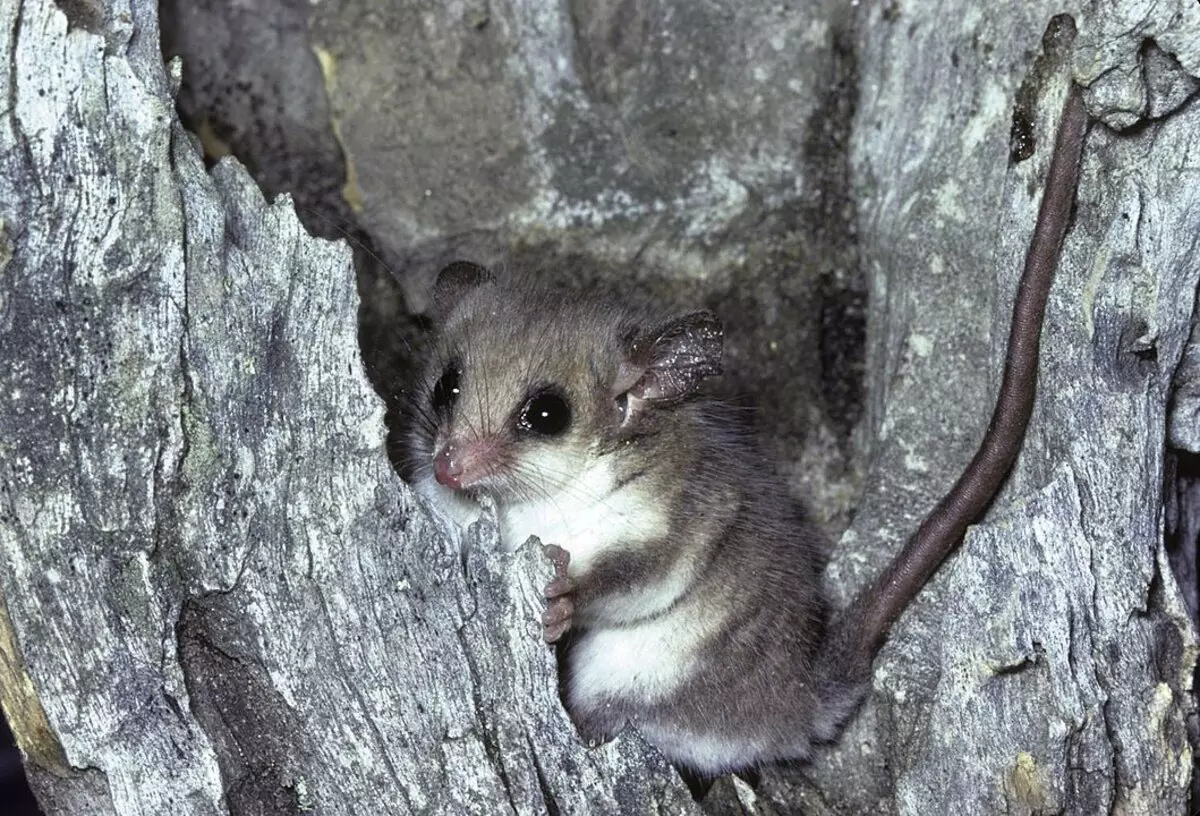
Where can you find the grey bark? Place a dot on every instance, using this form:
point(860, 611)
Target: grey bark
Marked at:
point(1048, 667)
point(221, 599)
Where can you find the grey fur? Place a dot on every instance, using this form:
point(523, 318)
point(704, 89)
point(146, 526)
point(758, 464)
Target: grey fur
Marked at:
point(751, 556)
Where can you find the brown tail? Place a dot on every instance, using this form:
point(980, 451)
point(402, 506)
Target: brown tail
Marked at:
point(864, 626)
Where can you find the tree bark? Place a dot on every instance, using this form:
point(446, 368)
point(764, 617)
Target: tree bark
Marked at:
point(222, 598)
point(216, 596)
point(1048, 666)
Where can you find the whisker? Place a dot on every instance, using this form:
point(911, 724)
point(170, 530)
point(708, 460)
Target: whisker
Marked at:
point(533, 480)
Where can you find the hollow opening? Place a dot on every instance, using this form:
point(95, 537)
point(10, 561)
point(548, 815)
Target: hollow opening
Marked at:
point(257, 85)
point(14, 787)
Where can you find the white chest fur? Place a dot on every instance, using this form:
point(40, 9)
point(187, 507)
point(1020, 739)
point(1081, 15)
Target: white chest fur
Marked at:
point(586, 514)
point(643, 662)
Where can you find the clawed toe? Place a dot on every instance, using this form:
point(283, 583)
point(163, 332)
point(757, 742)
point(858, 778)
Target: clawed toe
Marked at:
point(556, 620)
point(558, 611)
point(553, 633)
point(559, 587)
point(558, 556)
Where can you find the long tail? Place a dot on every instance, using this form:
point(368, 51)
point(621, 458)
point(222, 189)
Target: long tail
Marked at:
point(862, 628)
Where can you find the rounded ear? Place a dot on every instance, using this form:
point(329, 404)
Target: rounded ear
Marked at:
point(454, 281)
point(676, 356)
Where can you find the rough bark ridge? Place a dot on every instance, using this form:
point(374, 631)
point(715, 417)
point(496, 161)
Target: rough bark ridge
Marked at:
point(216, 597)
point(1057, 638)
point(221, 596)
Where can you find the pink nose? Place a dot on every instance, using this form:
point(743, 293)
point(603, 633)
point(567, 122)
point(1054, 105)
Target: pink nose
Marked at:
point(466, 462)
point(448, 468)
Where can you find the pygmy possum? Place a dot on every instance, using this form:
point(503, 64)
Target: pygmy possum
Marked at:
point(687, 597)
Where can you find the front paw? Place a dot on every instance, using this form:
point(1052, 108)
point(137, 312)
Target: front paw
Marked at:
point(560, 609)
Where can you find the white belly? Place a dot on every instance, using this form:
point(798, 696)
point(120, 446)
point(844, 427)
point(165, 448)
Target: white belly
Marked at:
point(642, 663)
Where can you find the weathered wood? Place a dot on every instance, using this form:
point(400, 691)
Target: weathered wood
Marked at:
point(1048, 666)
point(224, 598)
point(217, 596)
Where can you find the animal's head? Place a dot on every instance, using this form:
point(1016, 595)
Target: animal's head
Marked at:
point(526, 386)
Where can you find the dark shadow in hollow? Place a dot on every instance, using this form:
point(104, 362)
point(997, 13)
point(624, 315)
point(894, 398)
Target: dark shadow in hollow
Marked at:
point(14, 788)
point(1181, 498)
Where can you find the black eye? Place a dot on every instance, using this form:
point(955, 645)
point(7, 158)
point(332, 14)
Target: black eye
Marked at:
point(445, 392)
point(546, 414)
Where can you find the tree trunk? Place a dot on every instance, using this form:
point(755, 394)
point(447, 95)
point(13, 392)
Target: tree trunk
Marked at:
point(216, 596)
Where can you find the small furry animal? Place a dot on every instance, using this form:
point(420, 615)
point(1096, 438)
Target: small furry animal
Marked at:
point(689, 580)
point(687, 591)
